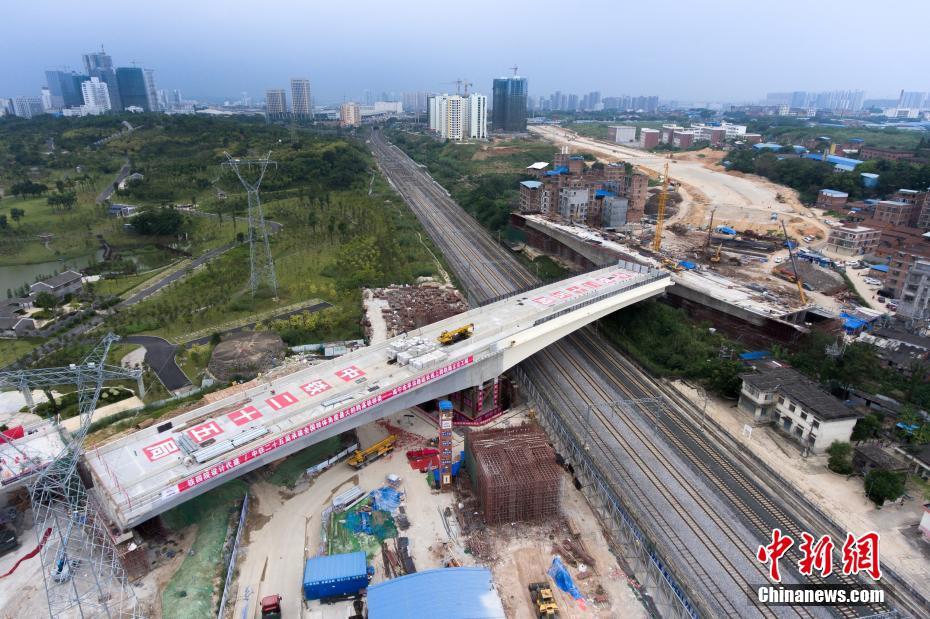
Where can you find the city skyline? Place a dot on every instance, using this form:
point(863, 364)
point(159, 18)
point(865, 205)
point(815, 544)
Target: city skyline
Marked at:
point(371, 56)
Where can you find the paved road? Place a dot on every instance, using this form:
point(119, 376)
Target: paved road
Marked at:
point(311, 309)
point(149, 291)
point(159, 355)
point(108, 191)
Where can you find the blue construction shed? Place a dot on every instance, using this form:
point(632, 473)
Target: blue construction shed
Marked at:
point(335, 575)
point(450, 593)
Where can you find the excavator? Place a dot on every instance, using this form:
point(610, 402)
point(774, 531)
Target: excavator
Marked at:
point(716, 257)
point(794, 265)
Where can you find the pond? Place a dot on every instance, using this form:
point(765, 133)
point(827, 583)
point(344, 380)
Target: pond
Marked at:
point(14, 276)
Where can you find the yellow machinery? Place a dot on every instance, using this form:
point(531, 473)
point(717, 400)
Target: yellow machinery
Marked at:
point(362, 457)
point(672, 265)
point(543, 600)
point(456, 335)
point(660, 215)
point(716, 257)
point(794, 265)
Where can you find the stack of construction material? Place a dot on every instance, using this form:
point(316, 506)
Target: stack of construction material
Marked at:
point(515, 474)
point(412, 307)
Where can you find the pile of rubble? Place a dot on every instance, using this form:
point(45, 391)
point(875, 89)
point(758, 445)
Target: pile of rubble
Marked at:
point(411, 307)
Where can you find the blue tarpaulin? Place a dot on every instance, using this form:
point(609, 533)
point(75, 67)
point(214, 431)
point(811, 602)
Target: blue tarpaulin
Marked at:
point(559, 573)
point(455, 467)
point(386, 499)
point(909, 428)
point(881, 268)
point(725, 230)
point(755, 354)
point(688, 265)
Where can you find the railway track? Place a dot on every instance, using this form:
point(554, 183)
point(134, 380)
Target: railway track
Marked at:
point(487, 271)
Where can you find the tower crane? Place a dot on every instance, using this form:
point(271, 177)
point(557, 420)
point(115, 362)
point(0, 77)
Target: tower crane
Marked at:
point(80, 564)
point(514, 68)
point(660, 216)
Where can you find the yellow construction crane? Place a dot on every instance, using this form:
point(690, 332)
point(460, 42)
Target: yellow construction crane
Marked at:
point(660, 216)
point(716, 257)
point(456, 335)
point(794, 265)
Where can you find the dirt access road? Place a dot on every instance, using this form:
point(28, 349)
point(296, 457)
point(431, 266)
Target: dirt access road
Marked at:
point(742, 201)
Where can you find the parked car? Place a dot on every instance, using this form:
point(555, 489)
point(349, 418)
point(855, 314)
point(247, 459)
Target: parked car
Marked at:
point(8, 541)
point(779, 260)
point(881, 299)
point(808, 239)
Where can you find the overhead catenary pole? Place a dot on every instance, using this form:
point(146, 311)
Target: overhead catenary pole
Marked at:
point(81, 569)
point(261, 264)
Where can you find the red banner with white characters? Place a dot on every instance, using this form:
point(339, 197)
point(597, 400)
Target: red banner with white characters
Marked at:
point(319, 424)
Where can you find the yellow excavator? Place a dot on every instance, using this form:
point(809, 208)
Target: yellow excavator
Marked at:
point(456, 335)
point(543, 600)
point(716, 257)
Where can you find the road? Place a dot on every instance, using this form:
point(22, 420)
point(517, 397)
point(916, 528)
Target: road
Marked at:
point(704, 513)
point(740, 200)
point(109, 189)
point(159, 355)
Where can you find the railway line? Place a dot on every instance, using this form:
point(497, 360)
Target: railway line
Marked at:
point(679, 485)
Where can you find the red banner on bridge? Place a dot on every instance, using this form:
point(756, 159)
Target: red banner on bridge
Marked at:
point(319, 424)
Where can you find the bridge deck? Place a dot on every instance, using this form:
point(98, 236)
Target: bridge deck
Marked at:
point(139, 471)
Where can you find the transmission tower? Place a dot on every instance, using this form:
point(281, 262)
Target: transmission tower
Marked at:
point(80, 564)
point(260, 260)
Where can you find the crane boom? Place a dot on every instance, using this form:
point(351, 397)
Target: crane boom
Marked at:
point(660, 216)
point(794, 265)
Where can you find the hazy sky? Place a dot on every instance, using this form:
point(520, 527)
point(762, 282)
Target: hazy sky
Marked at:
point(733, 50)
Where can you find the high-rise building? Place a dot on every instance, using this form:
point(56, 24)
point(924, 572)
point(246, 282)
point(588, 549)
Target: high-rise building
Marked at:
point(46, 100)
point(96, 61)
point(349, 115)
point(64, 88)
point(275, 103)
point(96, 96)
point(100, 65)
point(414, 101)
point(27, 107)
point(151, 92)
point(509, 113)
point(133, 89)
point(476, 117)
point(301, 104)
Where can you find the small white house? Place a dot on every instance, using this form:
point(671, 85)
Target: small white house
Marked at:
point(68, 282)
point(797, 406)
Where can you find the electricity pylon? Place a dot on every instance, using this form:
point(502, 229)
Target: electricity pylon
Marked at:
point(80, 565)
point(260, 261)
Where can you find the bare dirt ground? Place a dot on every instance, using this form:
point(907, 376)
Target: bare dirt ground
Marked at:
point(742, 201)
point(841, 498)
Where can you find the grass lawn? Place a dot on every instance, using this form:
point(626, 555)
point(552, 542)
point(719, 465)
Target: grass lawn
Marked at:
point(118, 286)
point(75, 233)
point(599, 130)
point(193, 361)
point(11, 350)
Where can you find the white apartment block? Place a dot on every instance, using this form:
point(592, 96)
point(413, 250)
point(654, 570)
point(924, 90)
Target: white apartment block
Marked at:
point(852, 240)
point(455, 117)
point(797, 406)
point(301, 103)
point(96, 96)
point(915, 296)
point(573, 203)
point(476, 117)
point(350, 115)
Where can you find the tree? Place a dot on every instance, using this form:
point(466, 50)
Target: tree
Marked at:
point(3, 222)
point(158, 222)
point(45, 300)
point(17, 214)
point(866, 428)
point(840, 458)
point(882, 485)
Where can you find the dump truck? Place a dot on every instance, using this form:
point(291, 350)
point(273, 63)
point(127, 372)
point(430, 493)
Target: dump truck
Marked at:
point(361, 457)
point(456, 335)
point(271, 607)
point(543, 600)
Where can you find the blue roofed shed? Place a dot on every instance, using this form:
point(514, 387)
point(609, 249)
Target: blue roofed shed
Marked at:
point(335, 575)
point(450, 593)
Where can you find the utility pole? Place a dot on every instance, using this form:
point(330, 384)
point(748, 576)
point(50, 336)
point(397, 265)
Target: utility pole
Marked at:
point(81, 569)
point(261, 264)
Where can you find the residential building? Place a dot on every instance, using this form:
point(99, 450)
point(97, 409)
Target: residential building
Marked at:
point(613, 209)
point(68, 282)
point(275, 103)
point(923, 215)
point(349, 115)
point(831, 198)
point(100, 65)
point(682, 139)
point(915, 294)
point(14, 318)
point(453, 118)
point(531, 196)
point(133, 88)
point(851, 240)
point(648, 138)
point(301, 104)
point(96, 96)
point(151, 92)
point(414, 101)
point(894, 212)
point(872, 152)
point(797, 406)
point(574, 200)
point(27, 107)
point(509, 100)
point(65, 88)
point(668, 131)
point(476, 117)
point(709, 133)
point(46, 98)
point(621, 134)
